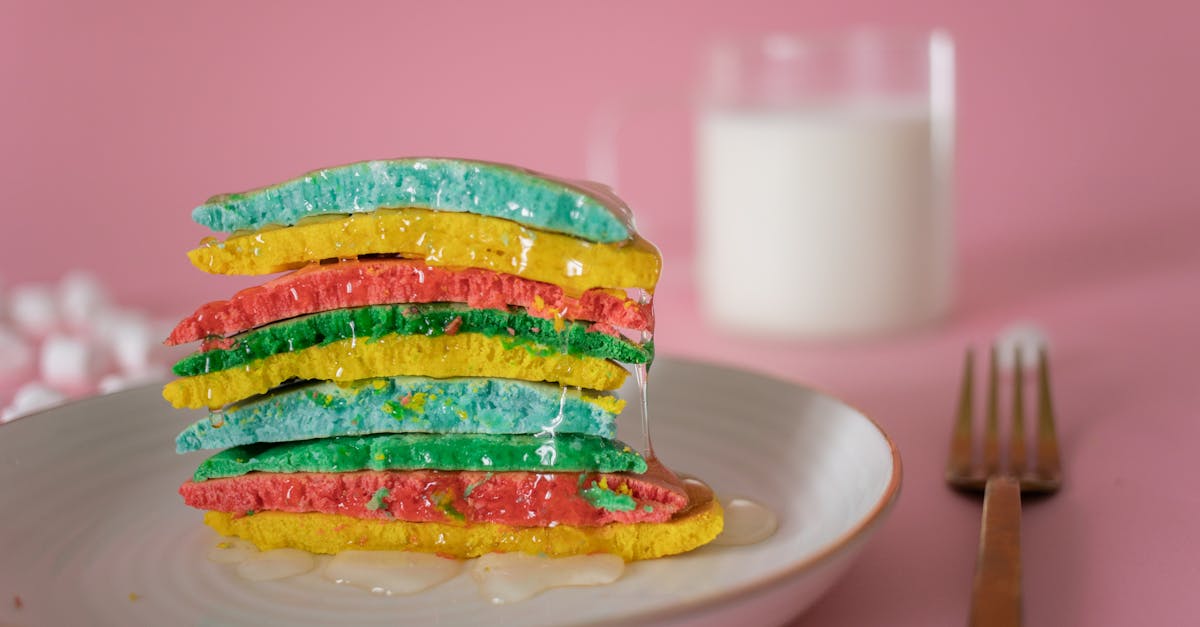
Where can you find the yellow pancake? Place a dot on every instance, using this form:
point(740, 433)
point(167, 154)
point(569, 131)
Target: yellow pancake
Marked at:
point(331, 533)
point(461, 355)
point(440, 239)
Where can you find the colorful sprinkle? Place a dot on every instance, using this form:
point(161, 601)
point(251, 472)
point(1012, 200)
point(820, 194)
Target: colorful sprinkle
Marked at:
point(376, 503)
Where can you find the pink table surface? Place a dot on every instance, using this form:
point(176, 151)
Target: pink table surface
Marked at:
point(1116, 545)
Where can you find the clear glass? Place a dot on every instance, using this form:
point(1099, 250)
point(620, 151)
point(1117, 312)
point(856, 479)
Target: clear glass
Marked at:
point(823, 172)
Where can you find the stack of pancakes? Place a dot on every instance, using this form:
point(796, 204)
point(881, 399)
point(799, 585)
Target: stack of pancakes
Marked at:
point(436, 372)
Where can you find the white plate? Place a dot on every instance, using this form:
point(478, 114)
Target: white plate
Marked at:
point(89, 516)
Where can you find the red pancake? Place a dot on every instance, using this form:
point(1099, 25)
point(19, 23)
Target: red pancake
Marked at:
point(521, 499)
point(318, 287)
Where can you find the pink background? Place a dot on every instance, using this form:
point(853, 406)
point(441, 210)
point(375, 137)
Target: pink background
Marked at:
point(125, 115)
point(1077, 203)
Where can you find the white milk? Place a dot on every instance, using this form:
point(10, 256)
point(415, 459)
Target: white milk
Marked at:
point(823, 222)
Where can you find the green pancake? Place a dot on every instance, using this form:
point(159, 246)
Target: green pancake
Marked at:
point(440, 451)
point(364, 324)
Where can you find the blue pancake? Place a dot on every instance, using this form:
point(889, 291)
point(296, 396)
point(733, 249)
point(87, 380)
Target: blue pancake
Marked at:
point(581, 209)
point(405, 405)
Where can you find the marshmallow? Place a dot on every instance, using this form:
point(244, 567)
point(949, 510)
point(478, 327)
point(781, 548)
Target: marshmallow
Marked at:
point(16, 356)
point(81, 298)
point(137, 343)
point(118, 382)
point(131, 339)
point(72, 362)
point(30, 398)
point(34, 308)
point(1025, 336)
point(105, 320)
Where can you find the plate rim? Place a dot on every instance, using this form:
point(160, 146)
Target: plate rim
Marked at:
point(872, 519)
point(857, 532)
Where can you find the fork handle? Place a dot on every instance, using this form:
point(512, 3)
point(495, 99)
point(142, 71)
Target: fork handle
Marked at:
point(996, 596)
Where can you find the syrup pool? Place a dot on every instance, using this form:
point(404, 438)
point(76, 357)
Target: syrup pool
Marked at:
point(746, 522)
point(275, 564)
point(513, 577)
point(501, 577)
point(390, 572)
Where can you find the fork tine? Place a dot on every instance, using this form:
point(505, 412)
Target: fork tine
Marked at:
point(1049, 467)
point(991, 429)
point(958, 464)
point(1016, 445)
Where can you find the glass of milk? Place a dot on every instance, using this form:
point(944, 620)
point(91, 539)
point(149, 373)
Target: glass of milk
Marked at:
point(823, 173)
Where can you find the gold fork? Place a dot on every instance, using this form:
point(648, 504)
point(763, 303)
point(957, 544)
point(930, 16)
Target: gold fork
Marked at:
point(996, 592)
